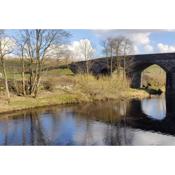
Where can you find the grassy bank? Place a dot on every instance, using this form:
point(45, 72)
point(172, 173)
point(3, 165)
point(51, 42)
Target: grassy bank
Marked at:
point(74, 89)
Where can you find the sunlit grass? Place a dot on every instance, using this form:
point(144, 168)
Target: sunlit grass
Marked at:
point(155, 76)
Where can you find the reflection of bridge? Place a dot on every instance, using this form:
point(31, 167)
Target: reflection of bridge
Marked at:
point(135, 65)
point(137, 119)
point(133, 115)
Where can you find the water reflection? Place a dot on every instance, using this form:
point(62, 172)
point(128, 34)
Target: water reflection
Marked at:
point(154, 108)
point(133, 122)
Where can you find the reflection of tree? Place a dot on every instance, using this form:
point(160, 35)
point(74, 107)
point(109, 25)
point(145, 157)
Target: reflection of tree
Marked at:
point(55, 120)
point(104, 111)
point(116, 132)
point(34, 134)
point(6, 132)
point(24, 130)
point(42, 127)
point(88, 135)
point(37, 136)
point(111, 135)
point(112, 113)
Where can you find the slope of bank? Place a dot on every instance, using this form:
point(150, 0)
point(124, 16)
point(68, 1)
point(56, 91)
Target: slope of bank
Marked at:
point(58, 97)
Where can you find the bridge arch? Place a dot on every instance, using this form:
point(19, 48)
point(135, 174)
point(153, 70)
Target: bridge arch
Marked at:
point(152, 74)
point(138, 70)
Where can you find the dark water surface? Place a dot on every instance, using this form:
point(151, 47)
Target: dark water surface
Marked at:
point(145, 122)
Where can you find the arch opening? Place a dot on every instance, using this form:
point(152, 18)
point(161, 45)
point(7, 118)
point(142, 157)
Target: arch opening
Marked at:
point(153, 76)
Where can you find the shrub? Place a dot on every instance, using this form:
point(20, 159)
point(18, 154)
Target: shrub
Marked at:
point(104, 86)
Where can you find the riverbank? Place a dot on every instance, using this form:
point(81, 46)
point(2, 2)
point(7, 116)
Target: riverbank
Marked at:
point(73, 89)
point(62, 97)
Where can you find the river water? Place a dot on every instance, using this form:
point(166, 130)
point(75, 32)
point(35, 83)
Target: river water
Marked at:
point(136, 122)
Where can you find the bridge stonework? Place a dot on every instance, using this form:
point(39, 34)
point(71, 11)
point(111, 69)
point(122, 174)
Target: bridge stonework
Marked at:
point(135, 65)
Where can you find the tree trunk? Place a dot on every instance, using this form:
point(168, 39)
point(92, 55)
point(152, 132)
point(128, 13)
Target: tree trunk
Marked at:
point(31, 76)
point(111, 61)
point(5, 80)
point(38, 78)
point(124, 68)
point(38, 66)
point(107, 61)
point(37, 87)
point(87, 67)
point(23, 77)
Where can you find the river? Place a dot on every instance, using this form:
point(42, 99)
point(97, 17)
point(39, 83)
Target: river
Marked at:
point(134, 122)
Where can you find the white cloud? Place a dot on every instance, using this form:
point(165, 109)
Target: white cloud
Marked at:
point(76, 49)
point(140, 38)
point(148, 48)
point(165, 48)
point(136, 49)
point(137, 36)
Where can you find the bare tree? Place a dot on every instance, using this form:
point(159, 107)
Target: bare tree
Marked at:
point(110, 44)
point(6, 48)
point(127, 49)
point(118, 48)
point(20, 52)
point(87, 52)
point(38, 46)
point(62, 53)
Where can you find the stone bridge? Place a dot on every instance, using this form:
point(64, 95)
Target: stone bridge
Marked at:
point(135, 64)
point(138, 119)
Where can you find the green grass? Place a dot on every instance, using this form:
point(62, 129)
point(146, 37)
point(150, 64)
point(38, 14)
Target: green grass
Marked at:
point(13, 67)
point(57, 72)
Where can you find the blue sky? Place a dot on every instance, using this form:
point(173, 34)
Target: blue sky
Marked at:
point(145, 41)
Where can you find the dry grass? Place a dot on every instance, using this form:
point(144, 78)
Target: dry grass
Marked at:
point(101, 88)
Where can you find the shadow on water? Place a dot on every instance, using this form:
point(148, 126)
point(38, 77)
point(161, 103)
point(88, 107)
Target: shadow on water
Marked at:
point(146, 122)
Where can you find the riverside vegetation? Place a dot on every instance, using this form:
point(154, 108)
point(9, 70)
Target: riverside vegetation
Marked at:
point(62, 87)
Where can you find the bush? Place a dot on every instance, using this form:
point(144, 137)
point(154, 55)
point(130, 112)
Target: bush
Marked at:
point(103, 86)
